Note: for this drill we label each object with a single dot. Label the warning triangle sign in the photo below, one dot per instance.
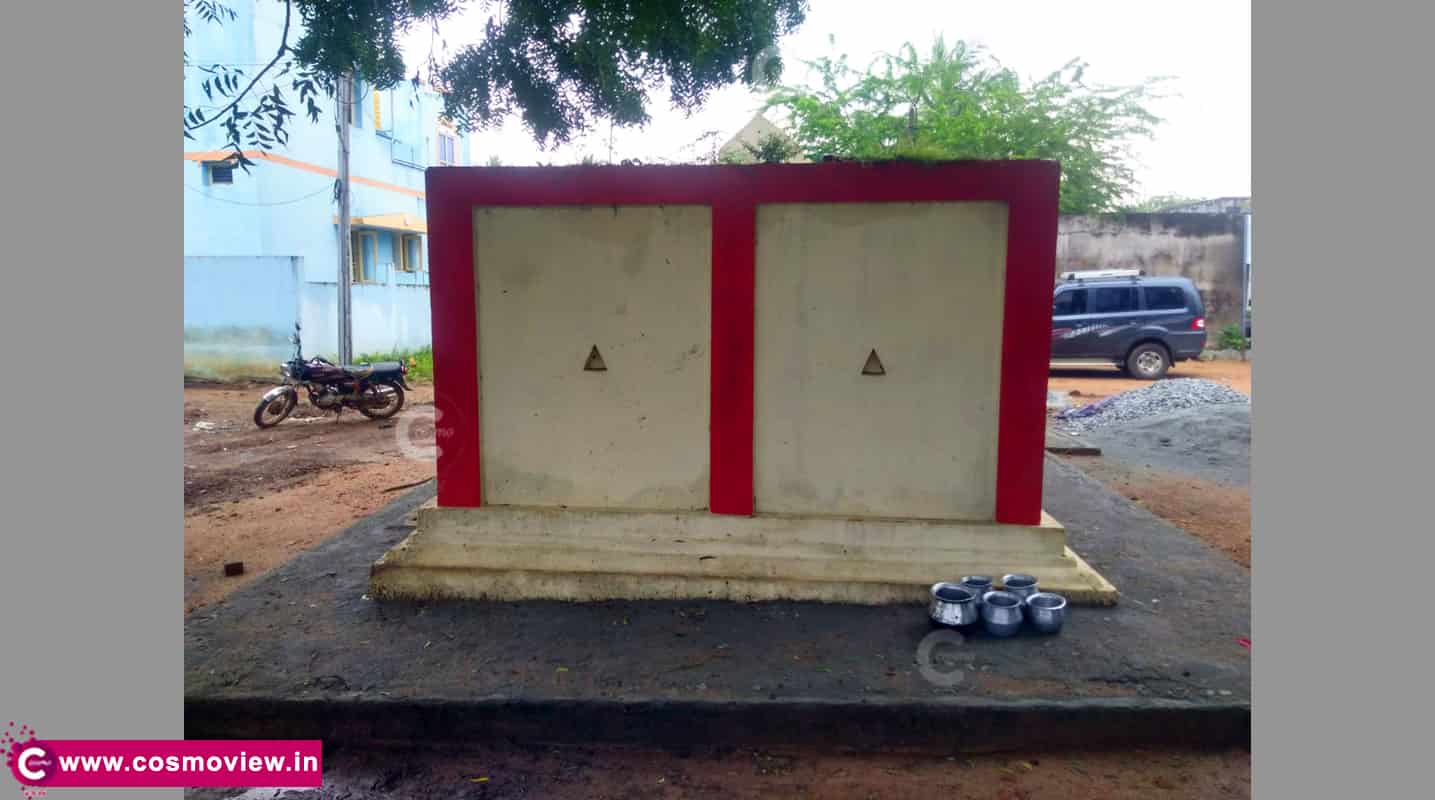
(873, 365)
(595, 361)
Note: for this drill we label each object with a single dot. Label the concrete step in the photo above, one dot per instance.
(518, 553)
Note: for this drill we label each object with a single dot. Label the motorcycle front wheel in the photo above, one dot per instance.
(272, 411)
(381, 400)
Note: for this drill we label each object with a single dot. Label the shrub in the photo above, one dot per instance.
(420, 361)
(1231, 338)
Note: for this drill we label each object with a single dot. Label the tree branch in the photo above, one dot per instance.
(283, 48)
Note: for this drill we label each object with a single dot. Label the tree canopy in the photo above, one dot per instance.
(560, 65)
(956, 102)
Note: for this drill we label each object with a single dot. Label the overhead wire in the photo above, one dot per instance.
(202, 193)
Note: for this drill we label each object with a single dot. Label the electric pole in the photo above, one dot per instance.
(344, 106)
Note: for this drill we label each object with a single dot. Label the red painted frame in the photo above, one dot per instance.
(1029, 188)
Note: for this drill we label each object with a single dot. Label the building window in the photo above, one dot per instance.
(447, 149)
(363, 255)
(378, 110)
(219, 172)
(410, 255)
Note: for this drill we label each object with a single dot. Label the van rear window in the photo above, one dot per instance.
(1159, 298)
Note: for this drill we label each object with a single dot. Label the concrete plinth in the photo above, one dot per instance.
(526, 553)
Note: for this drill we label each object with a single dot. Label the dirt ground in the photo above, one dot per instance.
(1218, 514)
(574, 773)
(1095, 384)
(263, 496)
(1214, 508)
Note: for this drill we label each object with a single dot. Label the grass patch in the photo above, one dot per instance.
(420, 361)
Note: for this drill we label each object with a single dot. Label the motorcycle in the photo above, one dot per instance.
(375, 390)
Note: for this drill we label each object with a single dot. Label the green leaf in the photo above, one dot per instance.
(561, 66)
(957, 102)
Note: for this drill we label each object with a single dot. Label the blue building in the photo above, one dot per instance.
(261, 249)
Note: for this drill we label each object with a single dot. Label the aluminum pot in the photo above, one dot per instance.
(953, 605)
(1001, 613)
(1022, 586)
(977, 585)
(1047, 611)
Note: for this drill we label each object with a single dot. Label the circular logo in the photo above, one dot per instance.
(453, 433)
(927, 658)
(424, 449)
(34, 763)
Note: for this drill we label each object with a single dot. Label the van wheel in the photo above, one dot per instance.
(1148, 362)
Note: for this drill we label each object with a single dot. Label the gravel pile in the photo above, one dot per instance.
(1212, 443)
(1158, 398)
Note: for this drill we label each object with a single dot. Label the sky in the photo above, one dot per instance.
(1202, 149)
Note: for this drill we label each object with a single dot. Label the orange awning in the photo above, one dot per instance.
(389, 222)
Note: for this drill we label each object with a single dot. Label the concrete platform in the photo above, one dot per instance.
(518, 553)
(304, 651)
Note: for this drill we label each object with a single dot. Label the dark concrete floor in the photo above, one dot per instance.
(305, 642)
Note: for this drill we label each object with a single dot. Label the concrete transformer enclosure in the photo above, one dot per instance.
(792, 381)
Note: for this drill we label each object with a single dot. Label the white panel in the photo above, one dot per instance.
(634, 281)
(922, 284)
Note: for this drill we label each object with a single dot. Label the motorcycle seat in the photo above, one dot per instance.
(377, 368)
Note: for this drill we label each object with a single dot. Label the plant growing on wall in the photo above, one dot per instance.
(773, 148)
(560, 65)
(957, 102)
(1158, 203)
(1231, 338)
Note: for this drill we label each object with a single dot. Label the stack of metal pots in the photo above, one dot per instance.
(1001, 612)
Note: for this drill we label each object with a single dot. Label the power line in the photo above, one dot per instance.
(363, 96)
(203, 62)
(203, 193)
(368, 88)
(255, 92)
